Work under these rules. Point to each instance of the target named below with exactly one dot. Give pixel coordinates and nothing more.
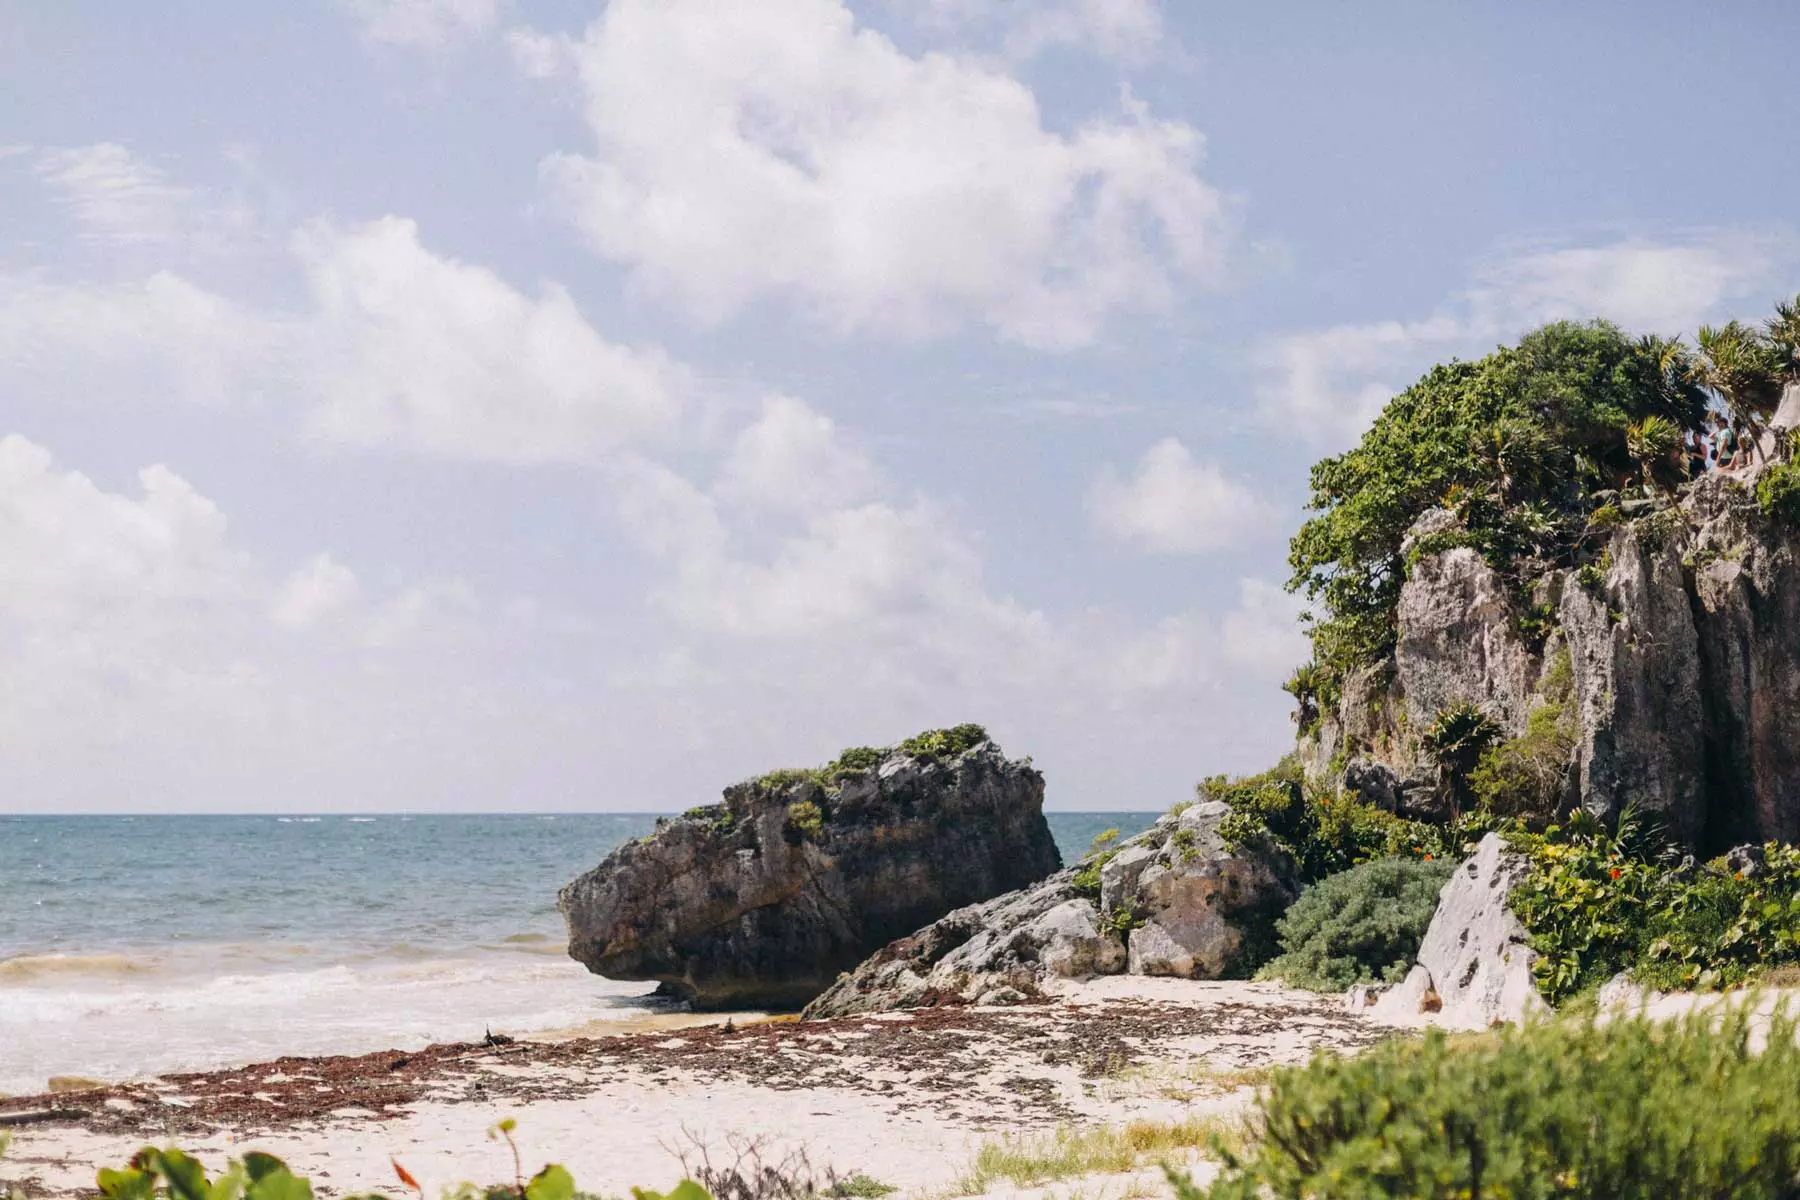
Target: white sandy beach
(904, 1098)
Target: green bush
(1521, 445)
(944, 743)
(855, 761)
(1599, 902)
(1778, 493)
(1524, 776)
(1325, 835)
(806, 820)
(1626, 1109)
(1363, 925)
(1101, 851)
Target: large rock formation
(761, 901)
(1679, 645)
(1175, 900)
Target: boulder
(1174, 900)
(1474, 965)
(761, 901)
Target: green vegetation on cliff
(933, 744)
(1518, 444)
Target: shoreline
(902, 1097)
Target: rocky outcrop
(1175, 900)
(1474, 966)
(1458, 640)
(1682, 645)
(761, 901)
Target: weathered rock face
(1474, 966)
(1187, 904)
(1458, 641)
(1684, 660)
(762, 901)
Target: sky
(486, 405)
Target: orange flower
(1614, 872)
(1428, 858)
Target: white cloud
(539, 55)
(419, 350)
(160, 336)
(780, 150)
(399, 347)
(1325, 386)
(150, 662)
(1174, 505)
(425, 24)
(793, 459)
(316, 592)
(116, 196)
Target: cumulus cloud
(434, 25)
(781, 150)
(1174, 505)
(151, 661)
(160, 336)
(1326, 385)
(399, 346)
(416, 349)
(794, 459)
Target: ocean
(135, 945)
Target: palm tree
(1742, 366)
(1783, 332)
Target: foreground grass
(1071, 1152)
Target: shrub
(1626, 1109)
(1102, 850)
(1524, 776)
(1519, 444)
(1326, 834)
(1456, 741)
(1599, 902)
(1363, 925)
(1778, 493)
(805, 819)
(855, 761)
(944, 743)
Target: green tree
(1517, 443)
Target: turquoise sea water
(131, 945)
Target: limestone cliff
(761, 901)
(1678, 645)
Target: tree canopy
(1522, 445)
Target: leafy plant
(1455, 742)
(1363, 925)
(1524, 776)
(806, 820)
(1086, 880)
(1743, 366)
(1652, 442)
(1627, 1109)
(1323, 833)
(944, 743)
(855, 761)
(1778, 492)
(1519, 443)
